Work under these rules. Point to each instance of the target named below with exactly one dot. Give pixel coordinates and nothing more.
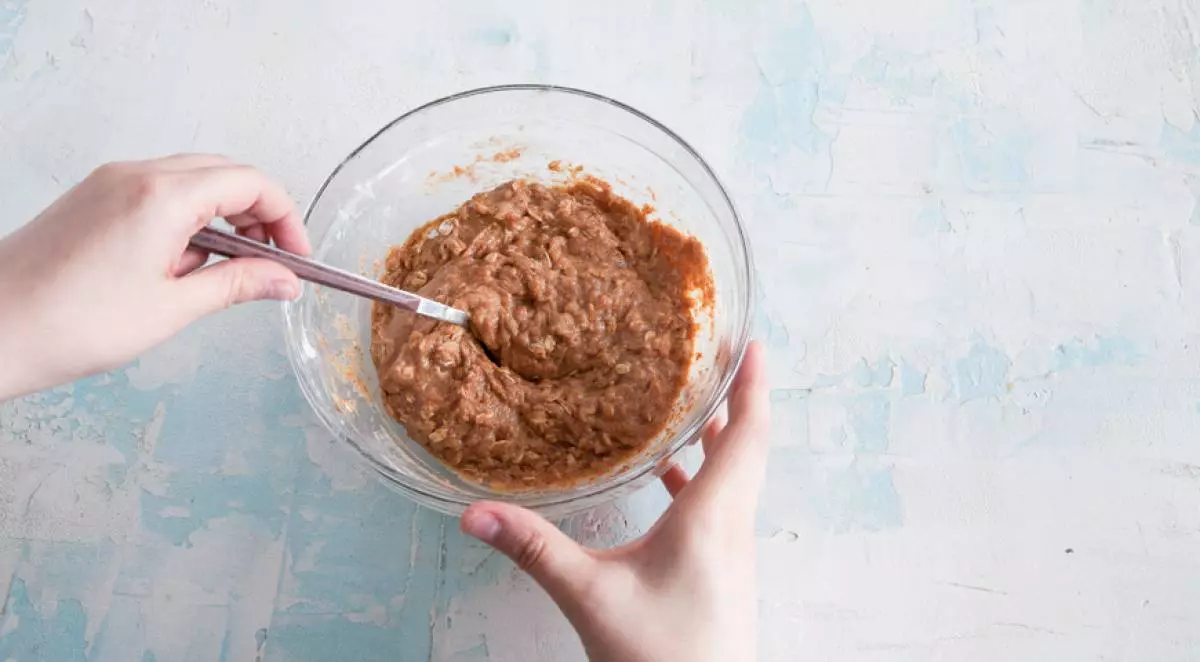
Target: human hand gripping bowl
(610, 360)
(588, 305)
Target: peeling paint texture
(977, 230)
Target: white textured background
(977, 231)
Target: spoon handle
(231, 245)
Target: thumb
(557, 563)
(239, 280)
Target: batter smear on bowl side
(587, 311)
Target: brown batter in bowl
(583, 312)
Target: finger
(738, 458)
(674, 479)
(749, 399)
(191, 260)
(292, 235)
(712, 431)
(181, 162)
(235, 281)
(282, 234)
(560, 565)
(244, 196)
(255, 232)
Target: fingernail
(283, 290)
(484, 526)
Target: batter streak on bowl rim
(588, 311)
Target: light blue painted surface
(11, 15)
(981, 373)
(976, 237)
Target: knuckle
(149, 185)
(710, 520)
(234, 287)
(110, 171)
(531, 552)
(248, 173)
(599, 588)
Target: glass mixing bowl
(427, 163)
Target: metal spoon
(232, 245)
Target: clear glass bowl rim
(684, 437)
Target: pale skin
(110, 257)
